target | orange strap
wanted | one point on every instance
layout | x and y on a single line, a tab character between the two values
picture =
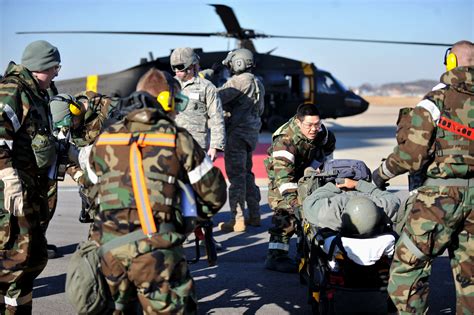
140	191
457	128
142	139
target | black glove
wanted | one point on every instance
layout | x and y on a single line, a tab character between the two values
378	180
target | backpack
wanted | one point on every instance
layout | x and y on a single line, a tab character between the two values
86	288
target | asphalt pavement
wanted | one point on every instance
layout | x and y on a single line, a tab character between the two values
239	284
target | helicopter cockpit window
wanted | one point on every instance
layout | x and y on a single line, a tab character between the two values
326	84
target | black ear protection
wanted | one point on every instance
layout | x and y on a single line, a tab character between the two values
450	60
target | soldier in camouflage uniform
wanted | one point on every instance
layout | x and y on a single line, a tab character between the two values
243	102
83	127
27	150
203	117
141	162
437	137
300	143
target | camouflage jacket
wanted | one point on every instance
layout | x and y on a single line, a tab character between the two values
325	206
423	143
242	98
174	156
98	108
288	156
24	114
203	118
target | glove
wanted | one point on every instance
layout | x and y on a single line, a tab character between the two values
13	191
378	180
73	153
84	154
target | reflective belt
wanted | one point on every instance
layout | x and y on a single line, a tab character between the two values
465	182
140	191
412	247
280	246
457	128
22	300
142	139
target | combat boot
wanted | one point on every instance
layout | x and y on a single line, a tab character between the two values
253	221
239	225
280	263
232	226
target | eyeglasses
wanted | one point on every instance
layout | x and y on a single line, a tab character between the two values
311	126
177	68
57	68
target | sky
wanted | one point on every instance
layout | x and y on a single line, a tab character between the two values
352	63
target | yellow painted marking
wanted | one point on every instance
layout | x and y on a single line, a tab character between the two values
92	82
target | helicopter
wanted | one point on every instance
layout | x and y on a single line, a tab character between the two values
288	82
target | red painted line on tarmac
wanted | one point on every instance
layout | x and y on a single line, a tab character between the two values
258	168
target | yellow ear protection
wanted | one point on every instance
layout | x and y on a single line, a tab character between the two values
450	60
170	100
74	107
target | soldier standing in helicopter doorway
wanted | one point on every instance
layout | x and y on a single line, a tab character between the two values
242	98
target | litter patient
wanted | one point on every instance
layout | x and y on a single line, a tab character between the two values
362	213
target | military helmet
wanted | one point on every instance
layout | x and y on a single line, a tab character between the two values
182	58
361	216
239	60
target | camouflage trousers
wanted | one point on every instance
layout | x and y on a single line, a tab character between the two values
439	219
52	204
238	166
152	272
23	254
284	227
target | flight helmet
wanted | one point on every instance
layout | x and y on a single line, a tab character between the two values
182	58
361	217
239	60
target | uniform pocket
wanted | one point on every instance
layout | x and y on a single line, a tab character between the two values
5	227
44	149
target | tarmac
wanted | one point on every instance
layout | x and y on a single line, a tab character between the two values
239	284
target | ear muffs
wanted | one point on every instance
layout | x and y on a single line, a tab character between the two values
166	98
450	60
166	101
169	100
74	107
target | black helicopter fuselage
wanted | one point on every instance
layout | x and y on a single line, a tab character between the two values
287	82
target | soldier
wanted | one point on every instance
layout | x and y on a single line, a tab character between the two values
436	137
325	207
302	142
142	161
27	150
203	117
80	120
243	102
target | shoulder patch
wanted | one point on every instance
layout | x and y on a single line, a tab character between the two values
438	86
431	108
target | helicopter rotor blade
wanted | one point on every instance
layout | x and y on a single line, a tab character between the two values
228	18
130	33
354	40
